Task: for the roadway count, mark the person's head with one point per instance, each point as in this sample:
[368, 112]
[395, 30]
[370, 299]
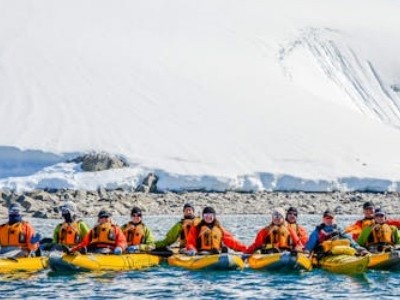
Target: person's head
[188, 211]
[369, 209]
[208, 214]
[380, 216]
[68, 210]
[328, 218]
[14, 212]
[104, 216]
[136, 215]
[278, 216]
[291, 215]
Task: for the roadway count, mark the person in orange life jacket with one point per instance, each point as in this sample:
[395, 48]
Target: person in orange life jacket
[181, 229]
[379, 236]
[276, 237]
[291, 220]
[17, 233]
[368, 220]
[138, 236]
[210, 237]
[328, 230]
[104, 237]
[72, 231]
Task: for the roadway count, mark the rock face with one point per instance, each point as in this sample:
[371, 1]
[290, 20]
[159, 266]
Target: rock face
[149, 184]
[47, 203]
[100, 161]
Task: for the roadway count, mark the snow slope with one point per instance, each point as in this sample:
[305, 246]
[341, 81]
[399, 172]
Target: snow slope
[247, 95]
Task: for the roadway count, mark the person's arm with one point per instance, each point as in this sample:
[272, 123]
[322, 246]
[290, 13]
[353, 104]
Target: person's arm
[396, 235]
[312, 241]
[363, 237]
[192, 239]
[120, 239]
[295, 238]
[302, 234]
[354, 229]
[85, 242]
[149, 240]
[171, 236]
[83, 229]
[230, 241]
[56, 233]
[393, 222]
[29, 233]
[258, 241]
[347, 236]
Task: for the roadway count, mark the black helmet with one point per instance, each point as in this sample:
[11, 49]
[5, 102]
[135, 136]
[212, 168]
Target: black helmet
[208, 210]
[292, 210]
[188, 205]
[136, 210]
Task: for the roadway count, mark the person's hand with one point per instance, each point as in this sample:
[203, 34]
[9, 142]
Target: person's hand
[362, 251]
[36, 238]
[132, 249]
[118, 251]
[191, 252]
[146, 248]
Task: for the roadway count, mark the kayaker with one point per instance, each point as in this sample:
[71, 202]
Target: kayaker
[327, 231]
[138, 236]
[210, 237]
[17, 234]
[72, 231]
[291, 220]
[104, 237]
[380, 236]
[178, 232]
[278, 236]
[368, 220]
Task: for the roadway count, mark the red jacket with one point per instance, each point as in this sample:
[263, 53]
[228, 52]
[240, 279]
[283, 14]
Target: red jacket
[227, 239]
[120, 240]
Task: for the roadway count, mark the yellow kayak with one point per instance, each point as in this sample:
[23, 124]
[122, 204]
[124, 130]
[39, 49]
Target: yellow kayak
[280, 261]
[23, 264]
[385, 260]
[222, 261]
[343, 263]
[102, 262]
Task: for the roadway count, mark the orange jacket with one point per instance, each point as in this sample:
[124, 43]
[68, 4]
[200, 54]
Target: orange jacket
[26, 229]
[262, 235]
[301, 232]
[356, 228]
[227, 239]
[120, 240]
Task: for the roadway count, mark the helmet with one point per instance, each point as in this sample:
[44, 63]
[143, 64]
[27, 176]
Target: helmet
[136, 210]
[14, 209]
[328, 213]
[188, 205]
[208, 210]
[380, 212]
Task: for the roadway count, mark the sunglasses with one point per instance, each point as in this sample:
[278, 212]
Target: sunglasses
[277, 216]
[104, 217]
[208, 214]
[328, 217]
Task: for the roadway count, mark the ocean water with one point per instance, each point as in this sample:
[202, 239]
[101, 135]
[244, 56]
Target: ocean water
[174, 283]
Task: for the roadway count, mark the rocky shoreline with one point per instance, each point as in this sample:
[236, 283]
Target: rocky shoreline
[46, 203]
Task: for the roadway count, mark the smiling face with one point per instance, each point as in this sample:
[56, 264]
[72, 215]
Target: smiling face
[291, 217]
[277, 218]
[328, 220]
[380, 219]
[369, 212]
[136, 218]
[208, 217]
[188, 212]
[103, 220]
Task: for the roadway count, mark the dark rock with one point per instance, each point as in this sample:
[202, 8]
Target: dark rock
[100, 161]
[149, 184]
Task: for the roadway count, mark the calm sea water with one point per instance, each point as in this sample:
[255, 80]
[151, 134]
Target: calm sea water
[167, 282]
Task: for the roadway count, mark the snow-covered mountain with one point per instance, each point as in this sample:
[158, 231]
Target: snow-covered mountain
[221, 94]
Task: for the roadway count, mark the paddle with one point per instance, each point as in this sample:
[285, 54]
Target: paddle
[11, 254]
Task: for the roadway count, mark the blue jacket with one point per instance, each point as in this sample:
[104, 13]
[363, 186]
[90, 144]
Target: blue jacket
[313, 241]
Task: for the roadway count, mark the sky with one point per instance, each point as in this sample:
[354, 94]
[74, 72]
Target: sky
[215, 95]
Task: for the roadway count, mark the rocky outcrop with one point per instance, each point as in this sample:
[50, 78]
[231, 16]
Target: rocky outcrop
[100, 161]
[149, 184]
[46, 203]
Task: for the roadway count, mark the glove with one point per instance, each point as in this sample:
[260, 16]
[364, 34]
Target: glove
[362, 251]
[36, 238]
[191, 252]
[133, 249]
[118, 251]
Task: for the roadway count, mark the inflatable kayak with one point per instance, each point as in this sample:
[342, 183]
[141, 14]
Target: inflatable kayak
[280, 261]
[222, 261]
[23, 264]
[343, 263]
[385, 260]
[101, 262]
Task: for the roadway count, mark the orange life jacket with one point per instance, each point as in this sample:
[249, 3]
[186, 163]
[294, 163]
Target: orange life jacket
[13, 235]
[278, 237]
[366, 223]
[210, 238]
[187, 224]
[135, 234]
[380, 233]
[69, 234]
[103, 235]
